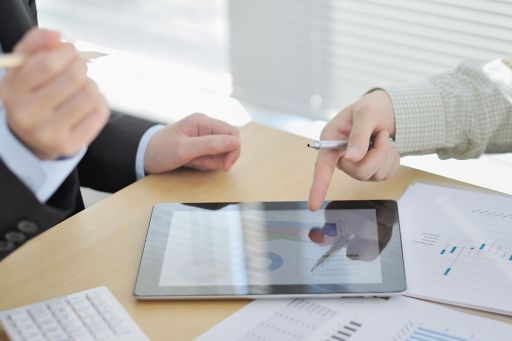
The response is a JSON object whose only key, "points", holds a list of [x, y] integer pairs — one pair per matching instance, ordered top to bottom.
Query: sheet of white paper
{"points": [[458, 246], [298, 319], [409, 319]]}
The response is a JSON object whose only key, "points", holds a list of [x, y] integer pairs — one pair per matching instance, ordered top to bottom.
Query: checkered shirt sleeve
{"points": [[459, 114]]}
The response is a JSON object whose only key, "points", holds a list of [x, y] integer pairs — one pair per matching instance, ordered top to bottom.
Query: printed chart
{"points": [[458, 246], [461, 252], [298, 319], [408, 319], [295, 321], [414, 330]]}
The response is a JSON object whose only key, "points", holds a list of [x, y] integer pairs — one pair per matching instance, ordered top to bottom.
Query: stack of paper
{"points": [[399, 319]]}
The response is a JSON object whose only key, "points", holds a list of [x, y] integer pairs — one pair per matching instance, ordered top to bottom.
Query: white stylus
{"points": [[12, 60], [328, 144], [335, 144]]}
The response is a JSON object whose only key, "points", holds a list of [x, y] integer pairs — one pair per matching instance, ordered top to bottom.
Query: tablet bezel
{"points": [[393, 272]]}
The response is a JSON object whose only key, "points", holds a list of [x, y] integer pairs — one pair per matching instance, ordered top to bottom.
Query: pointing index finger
{"points": [[327, 160], [324, 168]]}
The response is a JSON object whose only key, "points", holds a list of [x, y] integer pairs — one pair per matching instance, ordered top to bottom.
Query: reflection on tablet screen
{"points": [[240, 246]]}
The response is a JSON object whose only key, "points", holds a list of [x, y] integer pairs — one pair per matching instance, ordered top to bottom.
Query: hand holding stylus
{"points": [[51, 105], [371, 116]]}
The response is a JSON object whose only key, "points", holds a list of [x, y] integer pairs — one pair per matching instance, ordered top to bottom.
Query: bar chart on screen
{"points": [[458, 246]]}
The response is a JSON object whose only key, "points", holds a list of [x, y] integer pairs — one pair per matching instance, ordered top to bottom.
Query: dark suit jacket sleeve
{"points": [[16, 18], [109, 163], [19, 203]]}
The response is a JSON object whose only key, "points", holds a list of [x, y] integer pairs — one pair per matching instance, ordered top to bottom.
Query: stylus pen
{"points": [[12, 60], [335, 144], [338, 244]]}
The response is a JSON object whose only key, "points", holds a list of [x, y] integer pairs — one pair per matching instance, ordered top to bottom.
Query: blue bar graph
{"points": [[452, 252], [425, 334]]}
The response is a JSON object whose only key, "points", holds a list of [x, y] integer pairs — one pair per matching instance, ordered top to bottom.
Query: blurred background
{"points": [[290, 64]]}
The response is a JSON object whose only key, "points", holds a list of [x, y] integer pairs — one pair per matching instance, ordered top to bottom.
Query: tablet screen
{"points": [[236, 246], [265, 248]]}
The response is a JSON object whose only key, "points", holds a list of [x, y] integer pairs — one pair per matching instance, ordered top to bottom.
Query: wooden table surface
{"points": [[102, 244]]}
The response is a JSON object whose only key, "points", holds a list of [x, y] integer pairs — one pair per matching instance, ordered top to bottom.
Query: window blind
{"points": [[313, 57]]}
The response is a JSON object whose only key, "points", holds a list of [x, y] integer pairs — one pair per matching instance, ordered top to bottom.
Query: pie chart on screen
{"points": [[269, 261]]}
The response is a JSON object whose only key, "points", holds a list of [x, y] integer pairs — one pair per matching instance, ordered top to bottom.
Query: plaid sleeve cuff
{"points": [[420, 124]]}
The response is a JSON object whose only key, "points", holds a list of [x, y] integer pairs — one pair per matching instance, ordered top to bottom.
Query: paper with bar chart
{"points": [[458, 246], [297, 319], [409, 319]]}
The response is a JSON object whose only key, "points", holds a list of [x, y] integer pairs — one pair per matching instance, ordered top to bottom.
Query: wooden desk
{"points": [[102, 245]]}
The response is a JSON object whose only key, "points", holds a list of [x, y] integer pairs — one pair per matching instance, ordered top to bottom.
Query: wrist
{"points": [[383, 105], [389, 113], [145, 152], [41, 155]]}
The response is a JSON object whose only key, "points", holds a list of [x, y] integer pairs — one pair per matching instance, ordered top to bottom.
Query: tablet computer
{"points": [[271, 250]]}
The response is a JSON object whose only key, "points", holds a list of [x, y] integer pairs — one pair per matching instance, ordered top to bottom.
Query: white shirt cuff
{"points": [[141, 150], [43, 178]]}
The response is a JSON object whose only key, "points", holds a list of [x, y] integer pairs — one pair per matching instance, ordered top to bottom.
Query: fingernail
{"points": [[352, 151]]}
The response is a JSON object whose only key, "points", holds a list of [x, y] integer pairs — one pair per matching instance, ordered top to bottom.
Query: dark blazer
{"points": [[108, 165]]}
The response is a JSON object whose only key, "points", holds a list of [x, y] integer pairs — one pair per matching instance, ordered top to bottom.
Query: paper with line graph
{"points": [[458, 246], [297, 319], [409, 319]]}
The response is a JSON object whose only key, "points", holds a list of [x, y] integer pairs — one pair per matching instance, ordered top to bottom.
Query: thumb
{"points": [[37, 39], [359, 138], [210, 145]]}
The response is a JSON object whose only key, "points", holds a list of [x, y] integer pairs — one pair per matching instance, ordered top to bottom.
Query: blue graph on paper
{"points": [[458, 246], [460, 251], [431, 330], [426, 334]]}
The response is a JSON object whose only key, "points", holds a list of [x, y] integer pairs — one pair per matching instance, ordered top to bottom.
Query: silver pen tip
{"points": [[314, 144]]}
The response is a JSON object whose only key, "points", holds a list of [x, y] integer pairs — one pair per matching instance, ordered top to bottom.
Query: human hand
{"points": [[51, 105], [371, 115], [197, 141]]}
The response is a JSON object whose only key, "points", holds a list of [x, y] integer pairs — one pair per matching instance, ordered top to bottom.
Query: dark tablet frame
{"points": [[391, 256]]}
